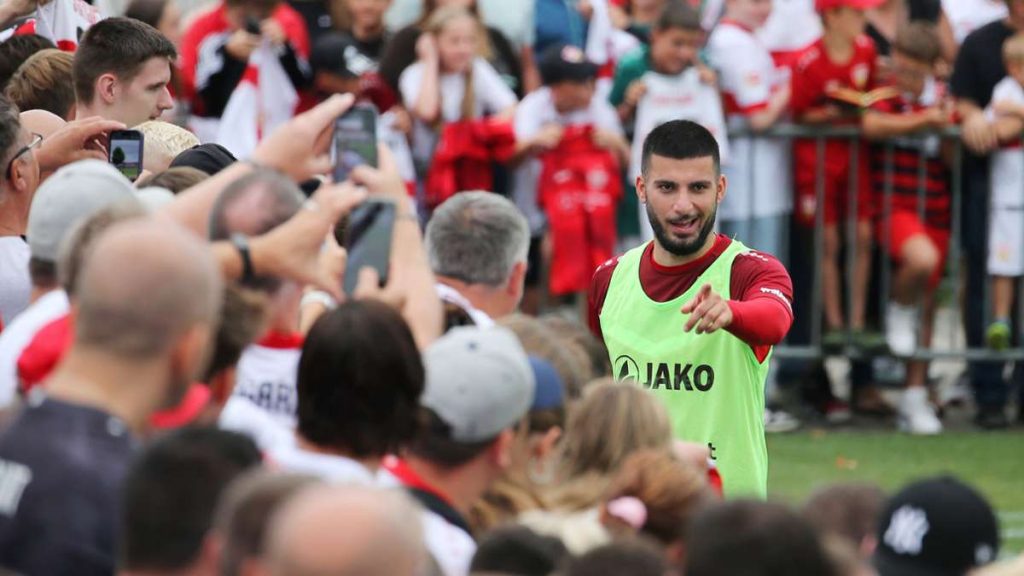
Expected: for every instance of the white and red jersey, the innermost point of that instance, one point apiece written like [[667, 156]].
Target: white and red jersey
[[749, 77], [267, 374], [235, 103], [61, 21], [966, 16], [792, 27]]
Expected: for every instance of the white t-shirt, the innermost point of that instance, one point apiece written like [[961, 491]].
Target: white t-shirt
[[267, 373], [241, 415], [966, 16], [330, 467], [1007, 165], [18, 334], [491, 95], [793, 25], [15, 282], [748, 78], [533, 113]]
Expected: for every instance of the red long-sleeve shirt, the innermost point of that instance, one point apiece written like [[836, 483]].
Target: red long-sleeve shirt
[[761, 291]]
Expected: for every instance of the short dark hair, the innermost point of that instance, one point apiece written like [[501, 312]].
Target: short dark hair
[[360, 380], [756, 539], [634, 557], [919, 41], [175, 179], [118, 45], [15, 50], [148, 11], [518, 550], [43, 82], [849, 510], [435, 444], [170, 494], [10, 129], [679, 15], [43, 273], [680, 140]]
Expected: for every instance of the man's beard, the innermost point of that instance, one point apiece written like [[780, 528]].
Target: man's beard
[[682, 247]]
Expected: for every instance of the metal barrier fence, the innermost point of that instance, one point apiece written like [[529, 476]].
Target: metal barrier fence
[[950, 138]]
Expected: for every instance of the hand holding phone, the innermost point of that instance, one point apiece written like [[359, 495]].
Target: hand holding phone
[[355, 140], [366, 236], [125, 152]]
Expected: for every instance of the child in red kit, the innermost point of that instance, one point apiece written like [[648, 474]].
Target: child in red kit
[[843, 60], [915, 233]]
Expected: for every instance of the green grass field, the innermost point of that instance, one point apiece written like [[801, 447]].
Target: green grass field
[[992, 462]]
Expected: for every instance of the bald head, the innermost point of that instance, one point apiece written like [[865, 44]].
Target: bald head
[[254, 204], [145, 283], [347, 530]]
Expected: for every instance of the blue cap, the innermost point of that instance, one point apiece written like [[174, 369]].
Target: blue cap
[[550, 392]]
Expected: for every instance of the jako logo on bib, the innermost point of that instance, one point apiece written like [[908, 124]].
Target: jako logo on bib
[[674, 376]]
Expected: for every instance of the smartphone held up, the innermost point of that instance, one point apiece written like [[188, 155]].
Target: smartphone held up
[[355, 140], [125, 152]]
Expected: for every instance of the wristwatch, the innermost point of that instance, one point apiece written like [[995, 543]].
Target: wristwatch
[[241, 243]]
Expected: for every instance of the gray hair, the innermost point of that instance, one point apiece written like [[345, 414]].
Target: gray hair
[[477, 238]]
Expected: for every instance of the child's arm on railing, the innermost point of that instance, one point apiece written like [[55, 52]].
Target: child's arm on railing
[[878, 125]]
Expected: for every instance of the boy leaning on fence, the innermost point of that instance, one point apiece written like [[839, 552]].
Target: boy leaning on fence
[[1006, 219], [828, 83], [914, 227], [756, 96]]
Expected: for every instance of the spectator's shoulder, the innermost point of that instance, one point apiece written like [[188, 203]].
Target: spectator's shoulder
[[729, 36], [635, 58]]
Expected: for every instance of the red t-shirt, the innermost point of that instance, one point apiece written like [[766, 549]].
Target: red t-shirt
[[814, 77], [761, 290]]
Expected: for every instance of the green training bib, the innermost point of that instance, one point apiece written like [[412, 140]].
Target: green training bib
[[711, 384]]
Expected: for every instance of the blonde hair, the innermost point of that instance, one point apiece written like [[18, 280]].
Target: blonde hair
[[164, 141], [612, 421], [671, 490], [1013, 49], [568, 359], [44, 82], [436, 23]]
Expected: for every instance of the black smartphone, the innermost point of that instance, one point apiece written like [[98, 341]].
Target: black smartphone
[[367, 239], [355, 140], [252, 25], [125, 152]]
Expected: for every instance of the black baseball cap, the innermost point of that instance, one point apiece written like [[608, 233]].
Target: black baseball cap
[[564, 62], [210, 158], [936, 527], [328, 54]]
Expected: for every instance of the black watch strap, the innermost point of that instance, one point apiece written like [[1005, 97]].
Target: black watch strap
[[241, 242]]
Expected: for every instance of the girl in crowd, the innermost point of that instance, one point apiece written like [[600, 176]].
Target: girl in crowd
[[404, 47], [450, 81]]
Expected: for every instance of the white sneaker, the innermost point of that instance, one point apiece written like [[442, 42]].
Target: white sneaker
[[916, 414], [777, 421], [901, 324]]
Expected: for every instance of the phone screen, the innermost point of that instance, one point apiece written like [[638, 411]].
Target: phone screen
[[367, 239], [355, 140], [126, 152]]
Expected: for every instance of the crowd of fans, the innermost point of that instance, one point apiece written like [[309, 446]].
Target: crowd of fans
[[186, 387]]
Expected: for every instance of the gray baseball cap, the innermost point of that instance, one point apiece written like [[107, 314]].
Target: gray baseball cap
[[73, 193], [479, 382]]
